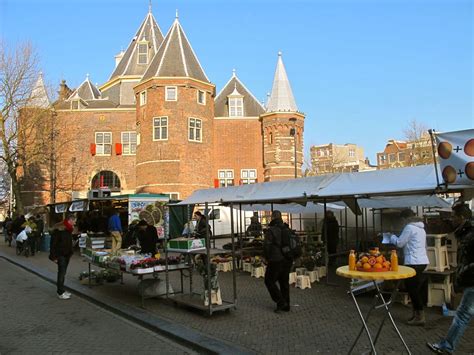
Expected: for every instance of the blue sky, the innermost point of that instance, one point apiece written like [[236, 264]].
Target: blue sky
[[360, 70]]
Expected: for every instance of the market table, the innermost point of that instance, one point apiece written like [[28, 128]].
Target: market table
[[404, 272]]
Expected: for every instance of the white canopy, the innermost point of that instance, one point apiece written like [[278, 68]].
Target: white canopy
[[310, 207]]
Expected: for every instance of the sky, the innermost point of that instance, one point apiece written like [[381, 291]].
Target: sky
[[360, 70]]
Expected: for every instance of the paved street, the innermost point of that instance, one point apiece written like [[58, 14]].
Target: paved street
[[323, 318], [34, 321]]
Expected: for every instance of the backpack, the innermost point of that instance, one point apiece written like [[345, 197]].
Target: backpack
[[290, 244]]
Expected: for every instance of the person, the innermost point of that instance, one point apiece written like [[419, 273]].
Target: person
[[40, 229], [9, 230], [413, 241], [61, 251], [148, 237], [188, 229], [464, 279], [202, 226], [130, 237], [33, 234], [115, 229], [5, 228], [255, 228], [331, 227], [278, 267], [17, 225]]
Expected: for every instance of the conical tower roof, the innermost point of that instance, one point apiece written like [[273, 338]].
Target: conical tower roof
[[175, 57], [39, 95], [281, 98], [86, 91], [149, 31]]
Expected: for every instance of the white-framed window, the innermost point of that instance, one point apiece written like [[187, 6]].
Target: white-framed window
[[226, 177], [172, 195], [103, 143], [129, 143], [75, 105], [201, 97], [195, 130], [236, 106], [143, 98], [248, 176], [383, 159], [160, 128], [142, 53], [352, 153], [171, 93]]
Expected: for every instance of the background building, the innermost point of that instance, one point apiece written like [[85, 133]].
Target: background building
[[159, 125], [406, 153], [336, 158]]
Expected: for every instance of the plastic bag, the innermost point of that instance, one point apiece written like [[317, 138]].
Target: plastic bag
[[153, 288]]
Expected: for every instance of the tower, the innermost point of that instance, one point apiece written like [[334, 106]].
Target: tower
[[175, 111], [282, 127]]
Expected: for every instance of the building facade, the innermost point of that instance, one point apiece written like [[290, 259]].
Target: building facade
[[337, 158], [159, 125], [399, 154]]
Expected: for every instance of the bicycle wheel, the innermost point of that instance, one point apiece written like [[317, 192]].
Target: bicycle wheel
[[27, 250], [18, 250]]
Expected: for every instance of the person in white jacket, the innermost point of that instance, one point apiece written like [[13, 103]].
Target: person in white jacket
[[413, 242]]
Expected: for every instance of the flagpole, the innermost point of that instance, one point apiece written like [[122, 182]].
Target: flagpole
[[431, 132]]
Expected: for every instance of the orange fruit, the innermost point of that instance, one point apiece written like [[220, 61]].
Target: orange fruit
[[377, 266], [386, 264], [366, 266], [379, 259], [359, 264], [364, 260]]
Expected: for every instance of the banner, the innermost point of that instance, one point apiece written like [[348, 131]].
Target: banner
[[456, 156]]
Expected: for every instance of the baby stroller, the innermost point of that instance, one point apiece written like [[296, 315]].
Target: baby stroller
[[23, 243]]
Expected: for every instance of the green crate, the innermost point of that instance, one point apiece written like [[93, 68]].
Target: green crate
[[186, 244]]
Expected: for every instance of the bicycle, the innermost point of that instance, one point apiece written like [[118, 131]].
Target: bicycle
[[23, 248]]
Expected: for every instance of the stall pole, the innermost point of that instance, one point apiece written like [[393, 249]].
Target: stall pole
[[241, 242], [326, 256], [208, 261], [234, 279], [356, 225], [362, 238], [213, 226]]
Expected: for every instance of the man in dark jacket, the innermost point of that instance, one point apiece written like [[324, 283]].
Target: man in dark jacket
[[278, 268], [148, 237], [464, 279], [331, 227], [61, 251]]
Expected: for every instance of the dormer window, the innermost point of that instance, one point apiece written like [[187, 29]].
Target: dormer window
[[75, 105], [143, 53], [236, 106]]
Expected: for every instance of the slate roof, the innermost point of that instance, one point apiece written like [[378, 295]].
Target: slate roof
[[175, 57], [39, 95], [128, 65], [281, 98], [252, 107], [86, 91]]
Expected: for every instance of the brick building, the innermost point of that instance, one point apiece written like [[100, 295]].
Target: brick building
[[338, 158], [406, 153], [159, 125]]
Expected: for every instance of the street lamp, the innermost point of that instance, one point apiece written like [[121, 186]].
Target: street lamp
[[293, 134]]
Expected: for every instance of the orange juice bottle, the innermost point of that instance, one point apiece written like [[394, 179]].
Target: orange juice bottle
[[394, 260], [352, 260]]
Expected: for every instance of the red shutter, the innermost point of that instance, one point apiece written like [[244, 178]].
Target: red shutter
[[216, 183], [93, 149], [118, 148]]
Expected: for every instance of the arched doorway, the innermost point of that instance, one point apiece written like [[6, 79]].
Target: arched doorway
[[106, 179]]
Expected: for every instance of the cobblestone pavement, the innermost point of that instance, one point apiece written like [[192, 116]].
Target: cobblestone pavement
[[34, 321], [323, 319]]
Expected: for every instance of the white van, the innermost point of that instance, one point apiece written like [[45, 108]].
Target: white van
[[220, 221]]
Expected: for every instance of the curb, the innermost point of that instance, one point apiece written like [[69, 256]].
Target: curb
[[187, 337]]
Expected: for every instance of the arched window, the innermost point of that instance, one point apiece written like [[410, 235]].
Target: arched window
[[106, 179]]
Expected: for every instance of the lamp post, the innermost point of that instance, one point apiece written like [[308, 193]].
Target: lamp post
[[293, 134]]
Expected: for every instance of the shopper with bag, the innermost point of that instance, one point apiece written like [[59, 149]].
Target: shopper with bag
[[61, 251]]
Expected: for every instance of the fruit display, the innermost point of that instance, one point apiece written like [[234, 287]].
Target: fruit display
[[373, 261]]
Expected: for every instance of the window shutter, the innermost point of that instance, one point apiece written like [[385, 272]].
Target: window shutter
[[118, 148], [216, 183], [93, 149]]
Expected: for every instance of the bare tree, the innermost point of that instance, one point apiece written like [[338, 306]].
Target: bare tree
[[418, 144], [18, 72]]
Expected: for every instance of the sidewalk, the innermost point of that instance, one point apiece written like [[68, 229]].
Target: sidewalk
[[323, 318], [34, 321]]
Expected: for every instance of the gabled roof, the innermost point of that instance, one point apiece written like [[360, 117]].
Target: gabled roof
[[252, 107], [86, 91], [281, 98], [175, 57], [149, 31], [39, 95]]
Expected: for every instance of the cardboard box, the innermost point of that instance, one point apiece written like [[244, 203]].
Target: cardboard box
[[186, 244]]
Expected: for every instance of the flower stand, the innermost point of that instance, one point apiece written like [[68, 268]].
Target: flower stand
[[321, 271], [215, 297], [292, 278], [258, 272], [300, 270], [302, 281], [247, 267], [313, 275]]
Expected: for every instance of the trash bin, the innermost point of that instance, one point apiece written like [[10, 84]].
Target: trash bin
[[46, 240]]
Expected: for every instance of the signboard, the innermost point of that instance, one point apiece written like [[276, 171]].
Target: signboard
[[154, 212], [456, 156], [60, 208], [78, 206]]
